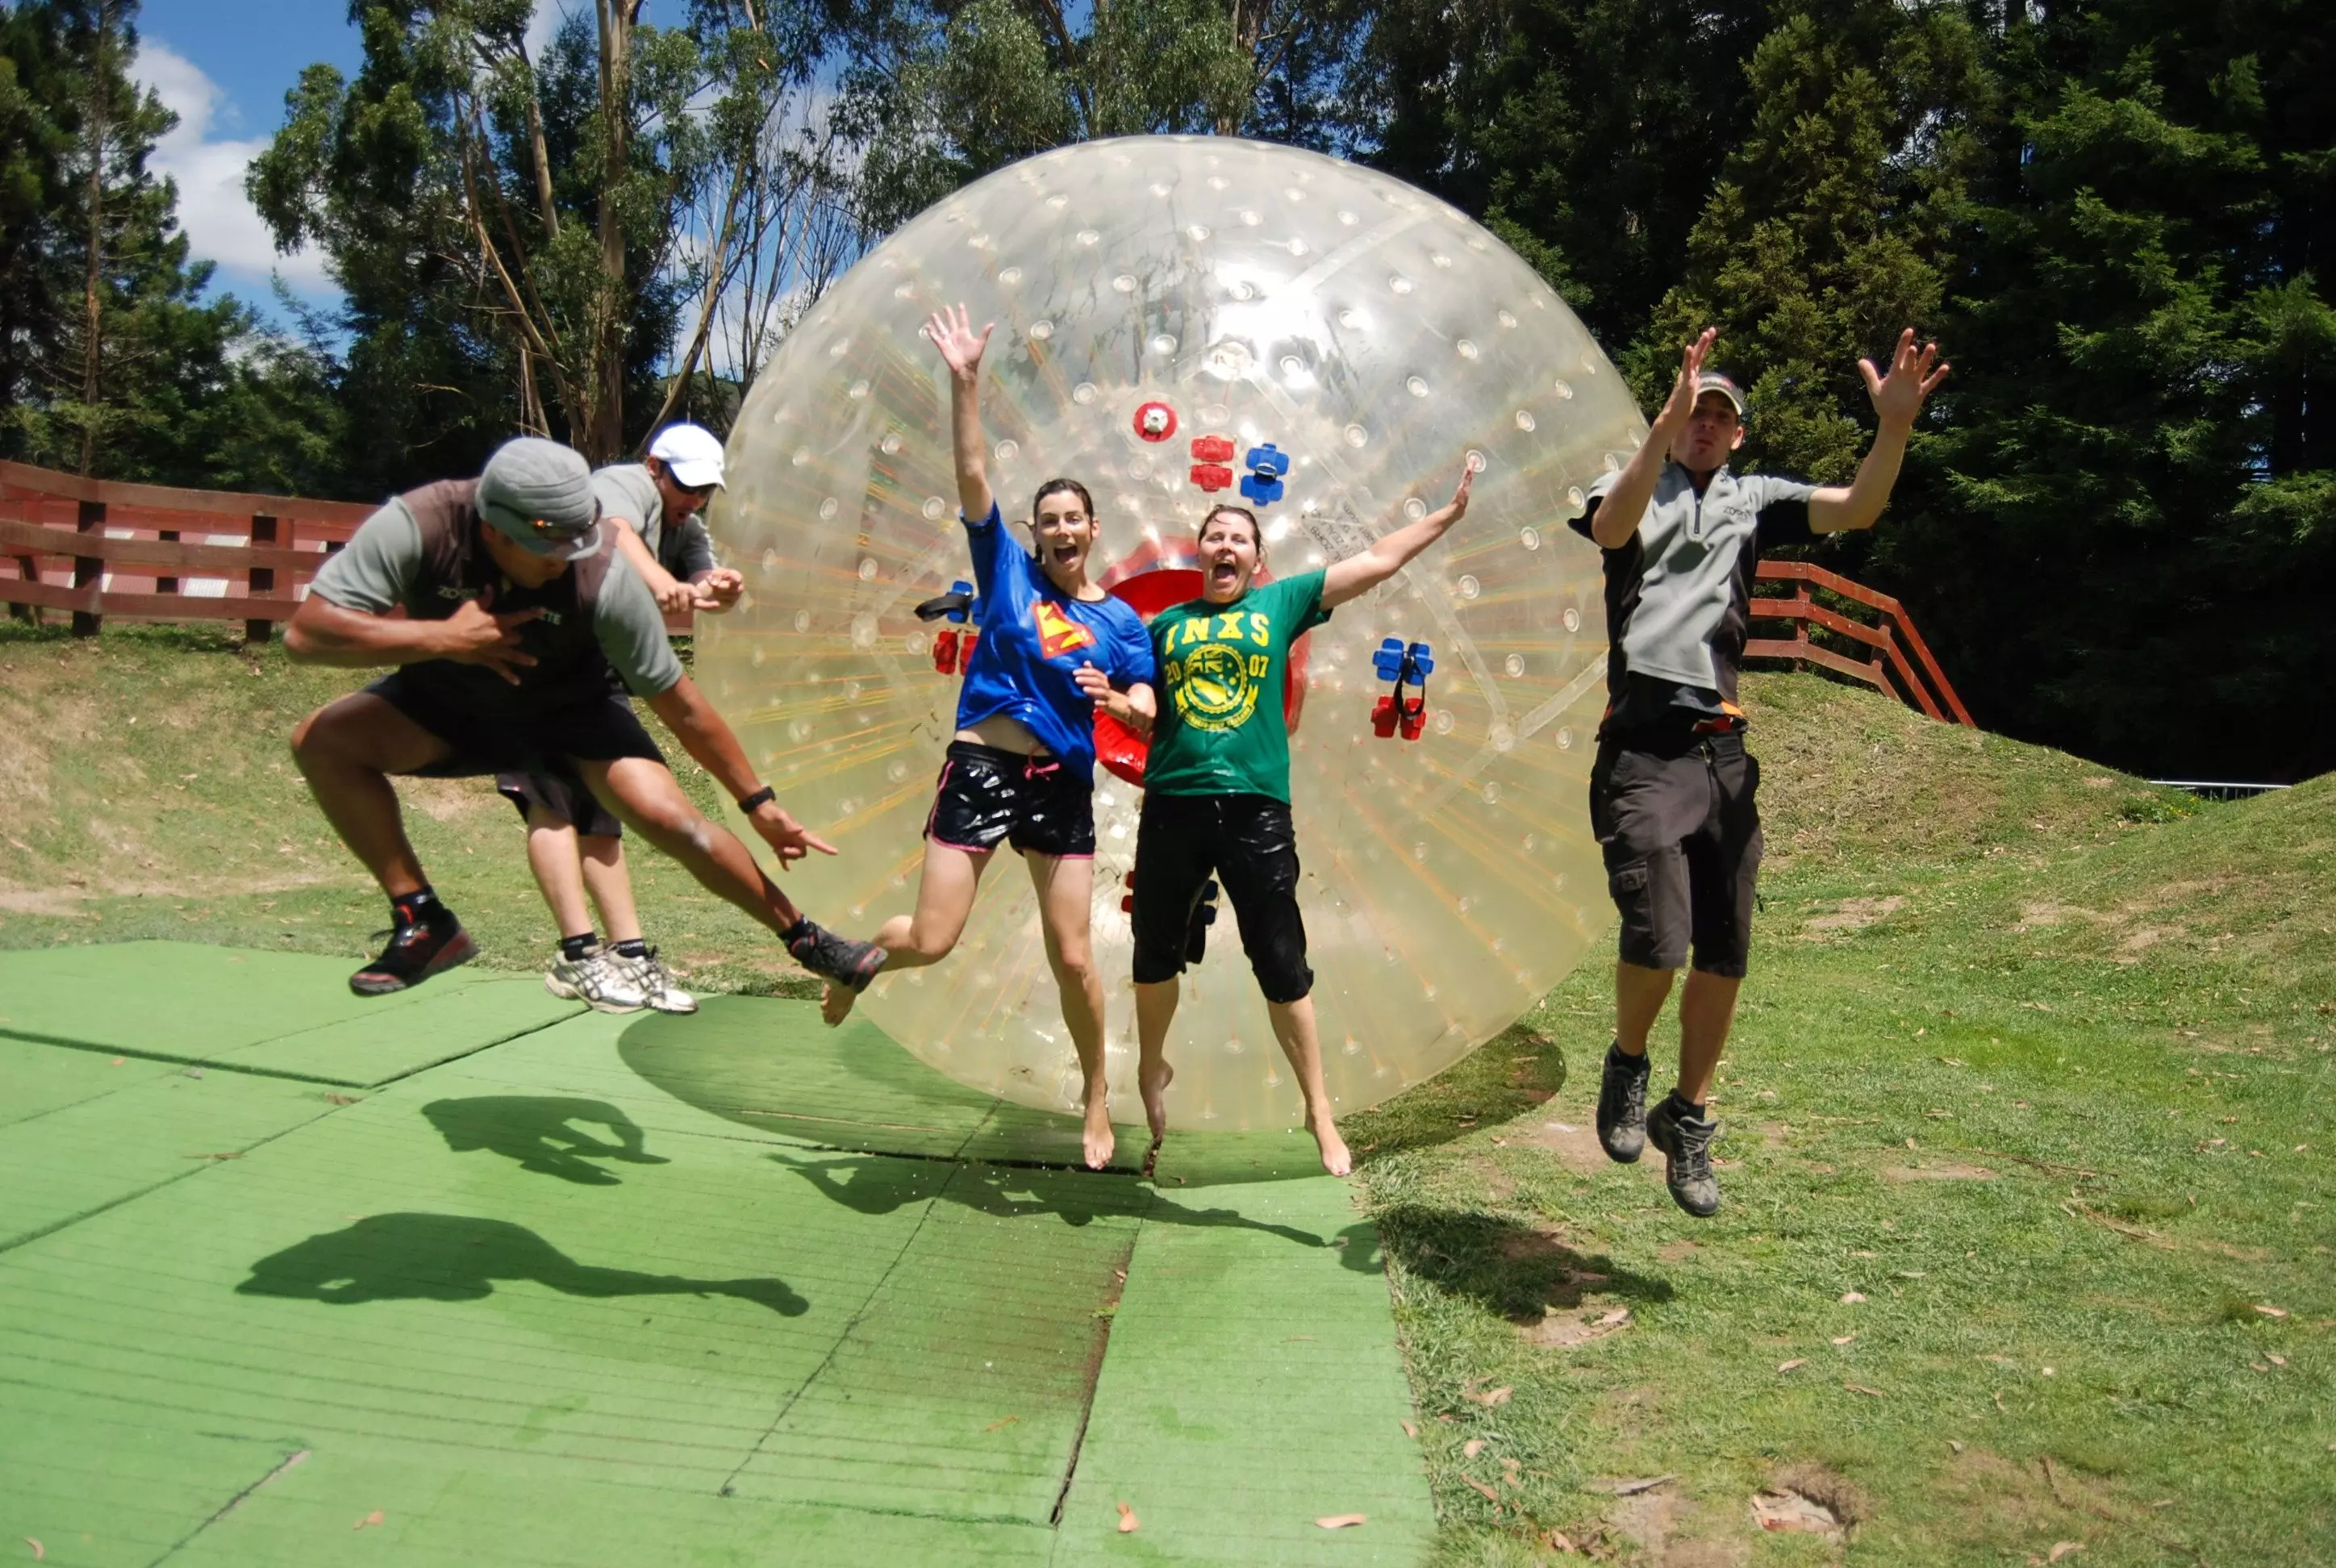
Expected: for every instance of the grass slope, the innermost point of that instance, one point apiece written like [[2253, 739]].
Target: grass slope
[[2033, 1060]]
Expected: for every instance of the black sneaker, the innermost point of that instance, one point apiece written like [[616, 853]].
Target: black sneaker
[[1623, 1106], [834, 958], [417, 950], [1686, 1143]]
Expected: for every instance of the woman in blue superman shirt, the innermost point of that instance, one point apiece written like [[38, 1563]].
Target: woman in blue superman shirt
[[1053, 647]]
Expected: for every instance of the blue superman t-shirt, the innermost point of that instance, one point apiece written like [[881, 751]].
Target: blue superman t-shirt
[[1033, 636]]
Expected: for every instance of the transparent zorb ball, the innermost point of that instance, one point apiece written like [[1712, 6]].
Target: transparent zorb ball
[[1167, 308]]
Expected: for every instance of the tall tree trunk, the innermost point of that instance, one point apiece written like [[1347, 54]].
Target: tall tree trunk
[[94, 274], [604, 437]]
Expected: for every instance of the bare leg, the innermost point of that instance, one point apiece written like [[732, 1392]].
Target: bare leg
[[346, 750], [945, 891], [1707, 1011], [1638, 996], [1066, 889], [1293, 1026], [552, 856], [1155, 1009], [647, 798], [603, 856]]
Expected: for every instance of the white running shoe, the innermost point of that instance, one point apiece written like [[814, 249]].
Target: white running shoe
[[600, 977], [656, 983]]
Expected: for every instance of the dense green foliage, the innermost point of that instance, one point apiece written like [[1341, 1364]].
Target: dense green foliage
[[2117, 524]]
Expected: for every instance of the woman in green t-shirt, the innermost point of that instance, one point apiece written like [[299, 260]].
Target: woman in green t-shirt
[[1216, 788]]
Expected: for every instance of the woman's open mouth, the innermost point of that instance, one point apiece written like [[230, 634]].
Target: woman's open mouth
[[1065, 554], [1224, 571]]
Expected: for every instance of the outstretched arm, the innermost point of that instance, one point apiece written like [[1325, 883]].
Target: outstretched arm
[[1391, 552], [1897, 397], [705, 737], [1625, 505], [961, 348]]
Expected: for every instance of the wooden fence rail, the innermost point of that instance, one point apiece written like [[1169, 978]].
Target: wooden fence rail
[[1917, 681]]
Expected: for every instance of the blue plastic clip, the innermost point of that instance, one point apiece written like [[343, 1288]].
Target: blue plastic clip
[[1266, 466]]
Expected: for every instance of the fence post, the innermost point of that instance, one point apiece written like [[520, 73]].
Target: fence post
[[88, 570], [262, 580], [167, 584]]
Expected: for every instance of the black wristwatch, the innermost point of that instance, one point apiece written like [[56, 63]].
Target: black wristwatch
[[761, 797]]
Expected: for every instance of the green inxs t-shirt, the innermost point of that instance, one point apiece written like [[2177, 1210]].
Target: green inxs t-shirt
[[1220, 730]]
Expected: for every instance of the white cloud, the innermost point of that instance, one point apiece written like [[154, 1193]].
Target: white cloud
[[220, 223]]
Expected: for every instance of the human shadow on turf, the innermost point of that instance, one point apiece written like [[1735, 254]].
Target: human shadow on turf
[[539, 1131], [458, 1258], [1516, 1270], [879, 1185]]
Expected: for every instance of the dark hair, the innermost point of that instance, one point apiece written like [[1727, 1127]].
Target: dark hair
[[1055, 487], [1256, 534]]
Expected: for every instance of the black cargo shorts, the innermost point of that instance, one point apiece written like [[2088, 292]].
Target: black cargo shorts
[[1677, 820]]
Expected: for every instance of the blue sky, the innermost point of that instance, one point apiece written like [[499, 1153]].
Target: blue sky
[[225, 68]]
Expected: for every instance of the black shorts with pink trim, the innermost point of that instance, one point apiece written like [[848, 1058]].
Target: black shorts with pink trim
[[1036, 804]]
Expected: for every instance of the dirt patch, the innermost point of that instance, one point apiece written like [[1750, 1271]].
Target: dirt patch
[[1674, 1532], [1678, 1251], [1576, 1146], [1850, 915], [2037, 916], [1941, 1171], [1560, 1329]]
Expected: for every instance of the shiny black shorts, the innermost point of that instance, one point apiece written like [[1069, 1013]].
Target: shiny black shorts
[[1679, 827], [987, 797], [561, 792], [598, 729], [1248, 843]]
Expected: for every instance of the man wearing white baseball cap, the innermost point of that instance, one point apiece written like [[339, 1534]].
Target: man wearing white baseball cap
[[575, 845]]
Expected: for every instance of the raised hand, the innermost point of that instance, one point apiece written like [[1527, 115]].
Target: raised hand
[[475, 634], [1898, 396], [961, 348], [788, 838], [1680, 404], [1457, 507]]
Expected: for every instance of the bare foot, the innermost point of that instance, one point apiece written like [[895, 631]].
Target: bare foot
[[835, 1005], [1335, 1158], [1097, 1141], [1154, 1090]]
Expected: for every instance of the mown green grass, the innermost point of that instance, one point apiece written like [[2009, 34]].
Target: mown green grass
[[2027, 966]]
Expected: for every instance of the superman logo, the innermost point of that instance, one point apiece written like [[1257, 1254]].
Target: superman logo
[[1059, 634]]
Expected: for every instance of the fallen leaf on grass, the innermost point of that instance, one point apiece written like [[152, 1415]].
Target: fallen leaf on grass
[[2063, 1549], [1127, 1520], [1491, 1396], [1560, 1543], [1862, 1388], [1619, 1315], [2272, 1311], [2275, 1360], [1472, 1447], [2257, 1366], [373, 1518], [40, 1552], [1009, 1421], [1845, 1339], [1795, 1361], [1851, 1298], [1410, 1430], [1955, 1443], [1342, 1521], [1489, 1493]]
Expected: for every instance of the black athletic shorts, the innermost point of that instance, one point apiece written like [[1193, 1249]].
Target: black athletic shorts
[[1676, 817], [1247, 842], [598, 729], [564, 794], [986, 795]]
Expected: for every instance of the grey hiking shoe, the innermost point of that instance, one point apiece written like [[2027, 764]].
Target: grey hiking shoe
[[834, 958], [599, 978], [657, 985], [1686, 1143], [1623, 1106]]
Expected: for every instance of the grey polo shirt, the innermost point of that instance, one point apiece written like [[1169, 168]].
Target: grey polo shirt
[[1678, 591], [382, 569], [628, 490]]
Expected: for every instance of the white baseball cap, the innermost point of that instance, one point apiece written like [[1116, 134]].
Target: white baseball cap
[[691, 453]]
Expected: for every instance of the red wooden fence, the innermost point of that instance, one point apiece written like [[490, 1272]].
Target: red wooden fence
[[1917, 681]]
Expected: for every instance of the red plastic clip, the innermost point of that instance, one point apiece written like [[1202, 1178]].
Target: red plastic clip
[[1211, 476], [1212, 449], [1415, 718], [1383, 718], [965, 650], [945, 652]]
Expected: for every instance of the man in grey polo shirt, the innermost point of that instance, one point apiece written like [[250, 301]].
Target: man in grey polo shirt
[[516, 609], [1671, 792]]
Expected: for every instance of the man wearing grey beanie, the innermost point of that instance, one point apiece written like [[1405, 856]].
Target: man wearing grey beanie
[[517, 608]]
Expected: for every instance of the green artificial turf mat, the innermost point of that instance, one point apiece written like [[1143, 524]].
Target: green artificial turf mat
[[84, 1133], [1254, 1387], [288, 1014]]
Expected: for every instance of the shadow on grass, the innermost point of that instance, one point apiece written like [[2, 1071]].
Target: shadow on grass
[[1517, 1071], [879, 1186], [1502, 1265], [457, 1258], [538, 1131]]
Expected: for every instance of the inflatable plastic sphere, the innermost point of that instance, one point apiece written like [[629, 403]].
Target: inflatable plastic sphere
[[1177, 319]]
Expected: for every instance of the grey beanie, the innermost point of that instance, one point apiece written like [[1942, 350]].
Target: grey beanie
[[538, 493]]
